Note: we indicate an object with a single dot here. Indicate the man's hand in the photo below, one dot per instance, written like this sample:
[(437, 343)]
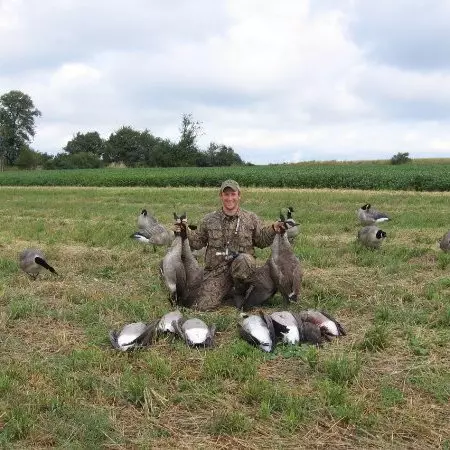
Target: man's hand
[(279, 227)]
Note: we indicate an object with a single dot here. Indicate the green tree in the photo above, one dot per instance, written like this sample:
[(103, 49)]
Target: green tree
[(28, 158), (188, 151), (400, 158), (17, 123), (90, 142)]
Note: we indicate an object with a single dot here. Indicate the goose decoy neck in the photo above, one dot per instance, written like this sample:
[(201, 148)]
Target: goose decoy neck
[(381, 234), (365, 207)]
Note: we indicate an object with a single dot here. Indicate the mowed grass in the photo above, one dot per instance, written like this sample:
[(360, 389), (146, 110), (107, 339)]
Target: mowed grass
[(385, 385)]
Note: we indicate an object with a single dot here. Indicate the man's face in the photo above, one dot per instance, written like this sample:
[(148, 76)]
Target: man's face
[(230, 200)]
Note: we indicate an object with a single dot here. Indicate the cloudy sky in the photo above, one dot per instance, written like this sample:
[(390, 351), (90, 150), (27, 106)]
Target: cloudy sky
[(285, 81)]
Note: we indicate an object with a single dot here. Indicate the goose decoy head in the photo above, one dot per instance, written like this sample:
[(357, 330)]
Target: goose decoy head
[(366, 207), (144, 212), (293, 297)]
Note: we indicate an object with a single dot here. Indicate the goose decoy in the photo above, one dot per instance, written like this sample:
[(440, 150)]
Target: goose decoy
[(294, 229), (258, 330), (195, 332), (371, 236), (370, 216), (133, 335), (165, 324), (323, 320), (444, 243), (150, 231), (285, 268), (261, 288), (32, 261), (172, 269)]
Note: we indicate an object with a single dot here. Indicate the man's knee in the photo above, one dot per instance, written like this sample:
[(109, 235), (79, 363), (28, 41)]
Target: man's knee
[(243, 267)]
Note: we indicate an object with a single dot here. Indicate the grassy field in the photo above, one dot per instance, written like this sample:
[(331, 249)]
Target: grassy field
[(385, 385)]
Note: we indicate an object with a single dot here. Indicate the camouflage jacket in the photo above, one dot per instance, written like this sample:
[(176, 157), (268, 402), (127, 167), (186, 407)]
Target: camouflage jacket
[(240, 233)]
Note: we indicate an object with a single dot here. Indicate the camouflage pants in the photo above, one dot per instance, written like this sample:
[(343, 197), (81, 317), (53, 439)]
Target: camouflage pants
[(218, 283)]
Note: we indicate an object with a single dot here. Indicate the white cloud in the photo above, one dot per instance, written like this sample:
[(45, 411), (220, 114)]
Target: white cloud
[(277, 81)]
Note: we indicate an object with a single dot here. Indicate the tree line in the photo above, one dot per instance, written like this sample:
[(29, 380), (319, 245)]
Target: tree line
[(126, 146)]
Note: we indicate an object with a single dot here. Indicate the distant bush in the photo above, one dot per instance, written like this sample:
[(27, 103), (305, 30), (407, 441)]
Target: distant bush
[(400, 158)]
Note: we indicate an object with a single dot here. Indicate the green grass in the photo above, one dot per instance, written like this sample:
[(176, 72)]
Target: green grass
[(383, 385), (433, 175)]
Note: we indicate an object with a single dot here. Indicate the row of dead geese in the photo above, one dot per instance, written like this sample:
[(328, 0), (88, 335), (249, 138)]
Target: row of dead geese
[(261, 330)]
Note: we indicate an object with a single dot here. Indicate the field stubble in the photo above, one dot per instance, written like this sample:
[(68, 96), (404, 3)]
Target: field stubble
[(385, 385)]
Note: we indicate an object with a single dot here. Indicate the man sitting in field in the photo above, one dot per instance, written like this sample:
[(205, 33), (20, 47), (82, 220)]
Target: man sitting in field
[(230, 236)]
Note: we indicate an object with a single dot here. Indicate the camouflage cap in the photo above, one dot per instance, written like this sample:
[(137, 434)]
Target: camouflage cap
[(230, 184)]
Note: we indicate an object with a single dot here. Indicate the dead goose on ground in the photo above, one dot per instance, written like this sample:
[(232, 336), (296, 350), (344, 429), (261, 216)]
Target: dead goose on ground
[(258, 330), (299, 330), (133, 335), (323, 320), (172, 268), (195, 332), (371, 236), (261, 289), (32, 261), (165, 324), (370, 216), (285, 268), (444, 243)]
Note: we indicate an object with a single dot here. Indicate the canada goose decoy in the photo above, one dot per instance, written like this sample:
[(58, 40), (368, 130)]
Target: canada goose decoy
[(371, 236), (261, 288), (258, 330), (370, 216), (294, 229), (444, 243), (285, 268), (172, 267), (32, 261), (150, 231), (323, 320), (133, 335), (195, 332), (299, 331), (165, 324)]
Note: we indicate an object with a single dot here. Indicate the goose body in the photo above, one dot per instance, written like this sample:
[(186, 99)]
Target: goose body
[(370, 216), (444, 243), (287, 319), (285, 268), (32, 262), (371, 236), (262, 288), (323, 320), (132, 335), (195, 332), (150, 231), (258, 330), (299, 331), (165, 324), (194, 274), (172, 269)]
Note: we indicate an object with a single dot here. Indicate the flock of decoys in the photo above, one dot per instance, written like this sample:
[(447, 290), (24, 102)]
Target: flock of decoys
[(183, 275)]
